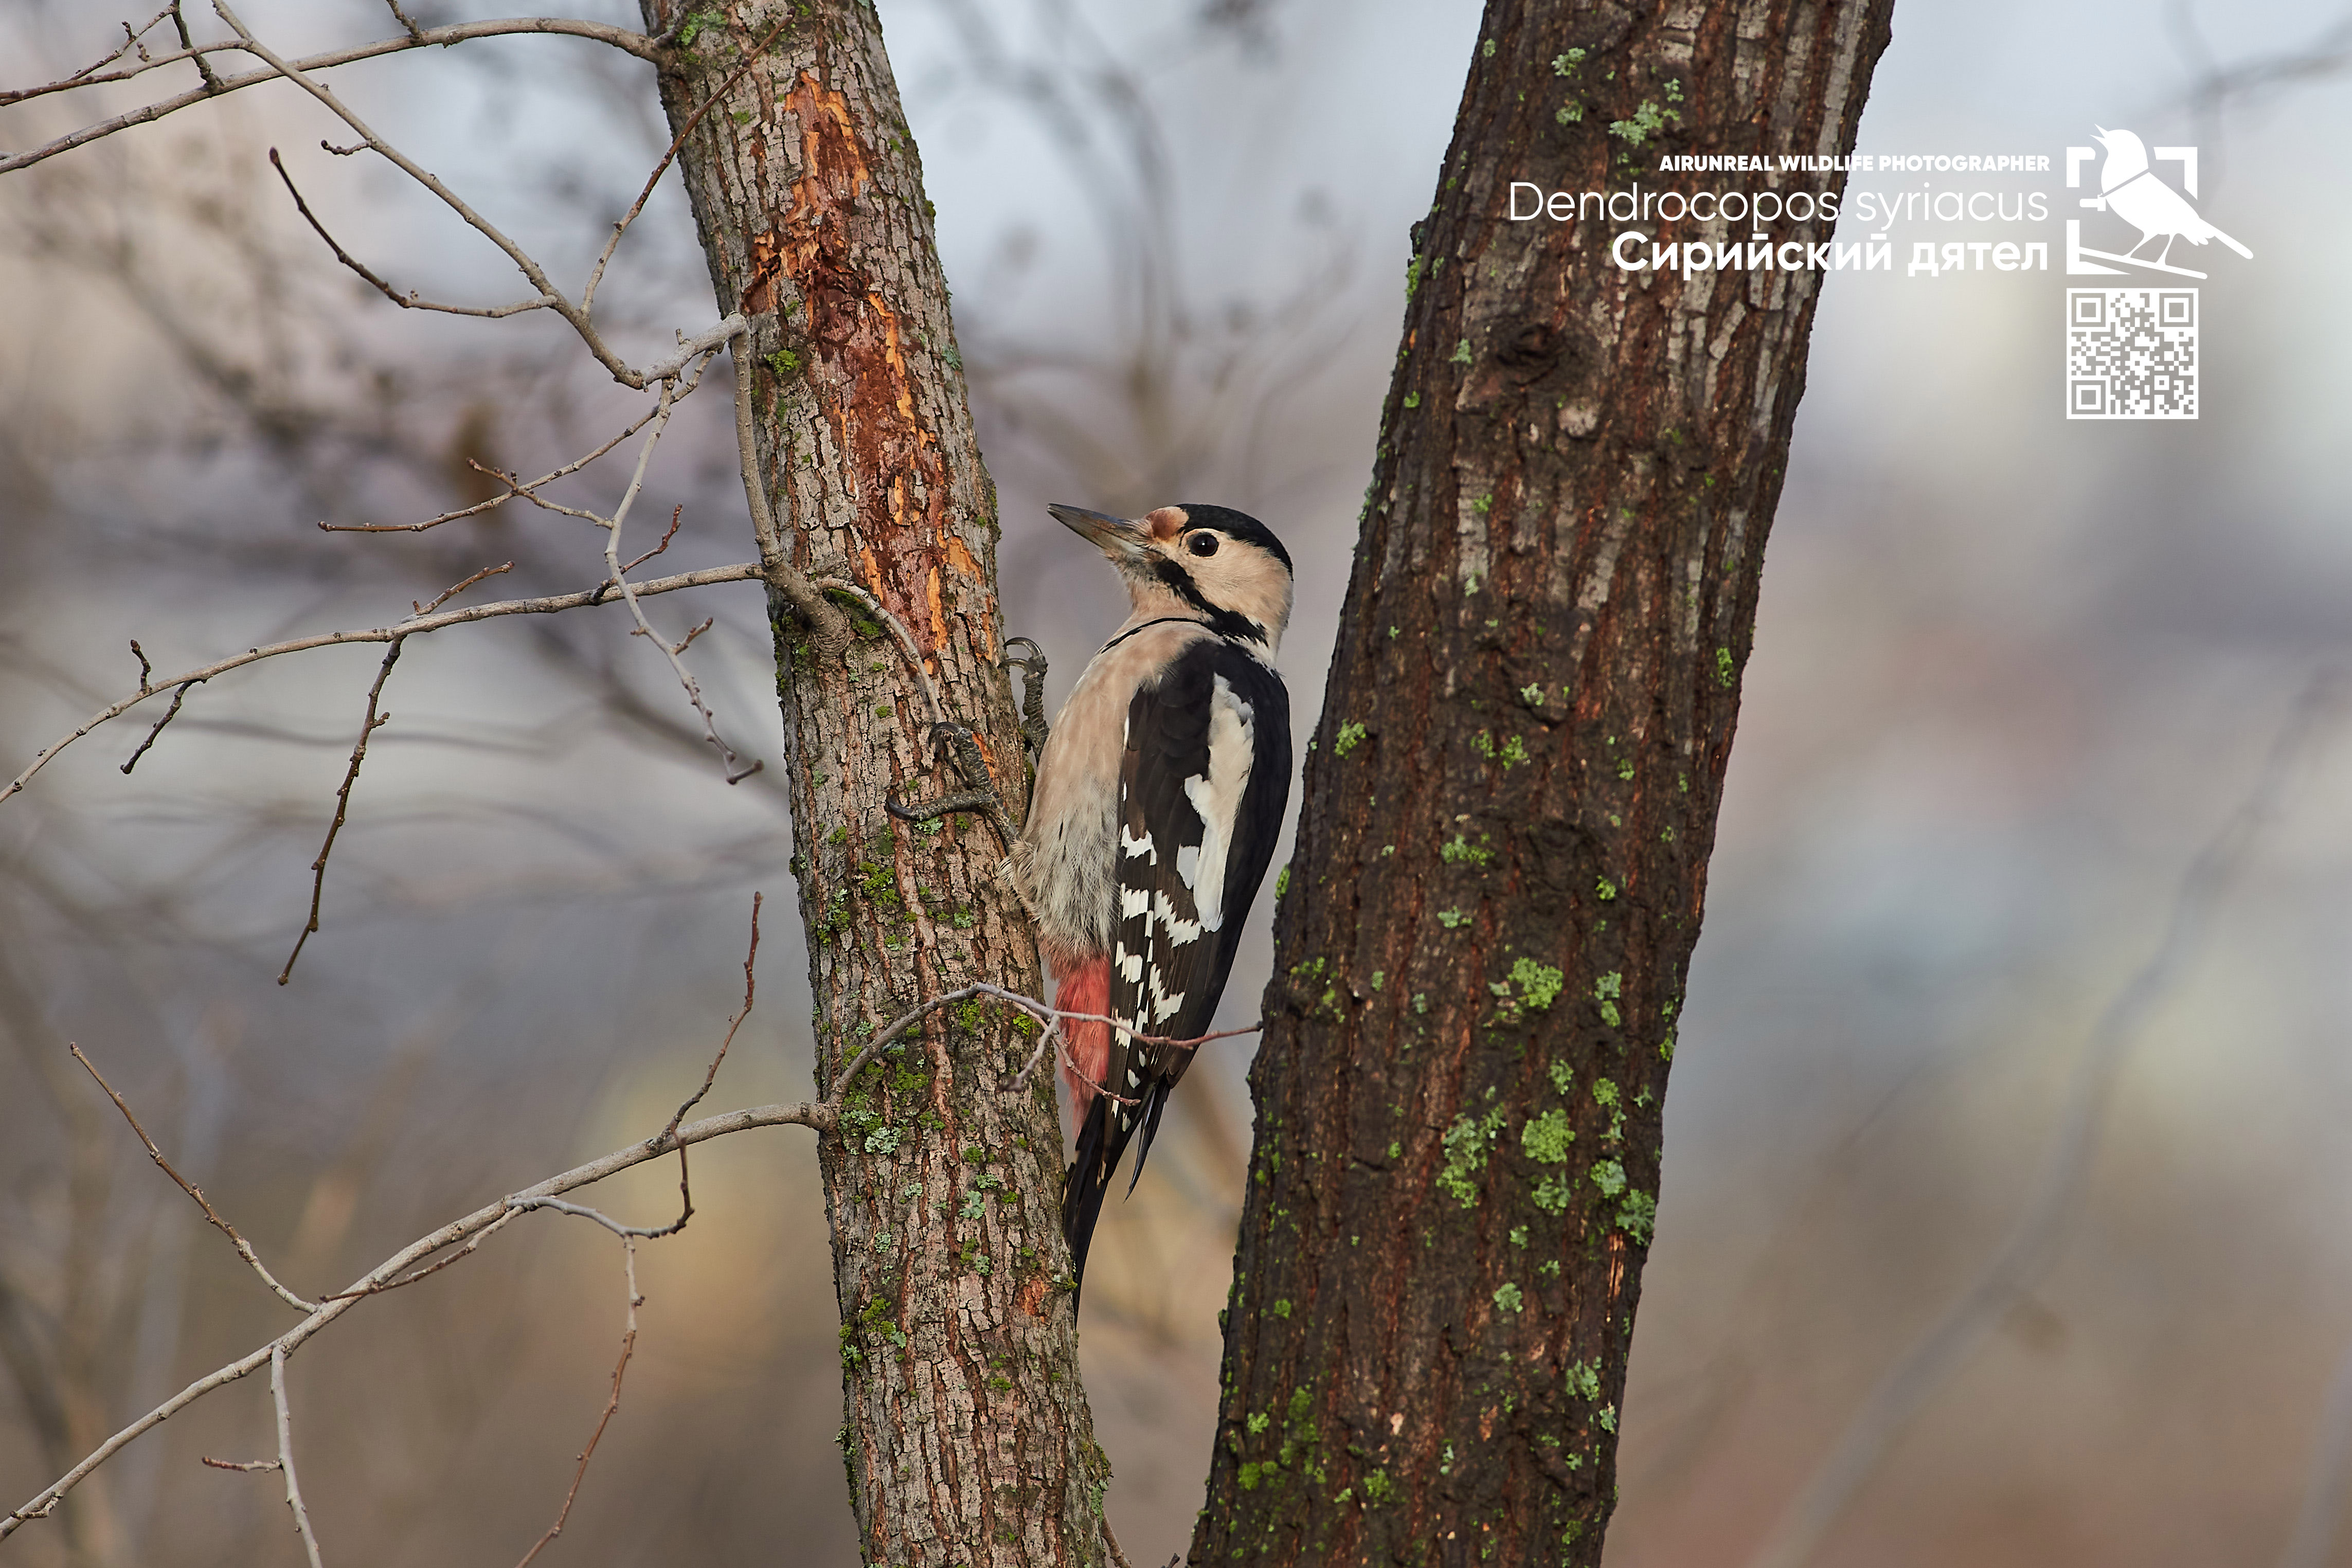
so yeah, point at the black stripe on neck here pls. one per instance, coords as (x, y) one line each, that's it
(1229, 624)
(1162, 620)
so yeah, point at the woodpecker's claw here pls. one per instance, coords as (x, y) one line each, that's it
(1033, 690)
(980, 797)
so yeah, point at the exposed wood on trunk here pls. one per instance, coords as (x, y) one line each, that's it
(967, 1437)
(1510, 802)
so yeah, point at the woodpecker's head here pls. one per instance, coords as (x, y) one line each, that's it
(1212, 563)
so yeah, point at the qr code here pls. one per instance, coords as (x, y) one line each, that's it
(2131, 353)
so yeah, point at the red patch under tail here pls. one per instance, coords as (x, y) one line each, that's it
(1084, 988)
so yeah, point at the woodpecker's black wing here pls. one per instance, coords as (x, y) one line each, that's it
(1202, 790)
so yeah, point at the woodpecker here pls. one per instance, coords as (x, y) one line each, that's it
(1158, 799)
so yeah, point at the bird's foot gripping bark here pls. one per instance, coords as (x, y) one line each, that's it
(979, 796)
(1033, 690)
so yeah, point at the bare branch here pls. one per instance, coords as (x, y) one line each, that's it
(899, 629)
(828, 628)
(245, 1465)
(387, 1274)
(286, 1453)
(170, 714)
(597, 273)
(751, 992)
(410, 300)
(636, 44)
(368, 726)
(514, 488)
(379, 1287)
(549, 605)
(145, 669)
(401, 16)
(522, 259)
(676, 514)
(131, 37)
(451, 592)
(1049, 1016)
(574, 314)
(736, 771)
(409, 1264)
(244, 1248)
(204, 67)
(629, 1345)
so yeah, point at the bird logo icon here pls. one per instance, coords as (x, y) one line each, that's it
(2131, 190)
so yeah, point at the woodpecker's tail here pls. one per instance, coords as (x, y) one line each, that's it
(1083, 1189)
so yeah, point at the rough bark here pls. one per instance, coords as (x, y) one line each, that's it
(1510, 800)
(967, 1437)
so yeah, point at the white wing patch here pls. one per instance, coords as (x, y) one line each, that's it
(1132, 847)
(1218, 798)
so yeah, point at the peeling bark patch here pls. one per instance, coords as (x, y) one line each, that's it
(867, 388)
(767, 262)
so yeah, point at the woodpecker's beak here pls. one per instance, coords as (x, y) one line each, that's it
(1117, 537)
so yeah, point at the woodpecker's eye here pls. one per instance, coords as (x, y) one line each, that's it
(1202, 544)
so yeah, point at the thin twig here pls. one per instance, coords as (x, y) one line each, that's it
(547, 605)
(1021, 1080)
(821, 1116)
(412, 300)
(204, 67)
(145, 669)
(513, 489)
(597, 273)
(245, 1465)
(410, 1263)
(828, 627)
(899, 629)
(129, 42)
(170, 714)
(751, 991)
(368, 726)
(1914, 1378)
(401, 16)
(676, 514)
(736, 770)
(286, 1453)
(244, 1248)
(378, 1287)
(602, 32)
(449, 594)
(1043, 1013)
(522, 259)
(629, 1345)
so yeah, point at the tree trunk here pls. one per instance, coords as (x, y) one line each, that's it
(1510, 799)
(967, 1436)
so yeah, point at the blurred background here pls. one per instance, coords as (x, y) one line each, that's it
(2012, 674)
